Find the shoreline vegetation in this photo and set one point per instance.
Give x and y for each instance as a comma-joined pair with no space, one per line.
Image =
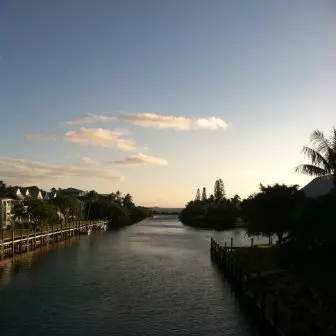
213,212
70,205
298,271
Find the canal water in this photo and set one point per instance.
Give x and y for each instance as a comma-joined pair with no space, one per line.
152,278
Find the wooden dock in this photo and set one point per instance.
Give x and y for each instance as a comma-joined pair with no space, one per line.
25,240
269,309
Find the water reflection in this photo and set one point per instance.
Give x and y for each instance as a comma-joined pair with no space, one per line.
11,266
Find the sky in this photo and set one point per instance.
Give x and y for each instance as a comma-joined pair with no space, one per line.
157,98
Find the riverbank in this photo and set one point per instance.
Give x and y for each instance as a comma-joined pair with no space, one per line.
18,241
291,302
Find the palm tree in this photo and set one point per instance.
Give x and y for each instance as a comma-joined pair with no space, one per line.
91,197
322,156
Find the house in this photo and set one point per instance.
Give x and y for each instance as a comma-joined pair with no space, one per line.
6,206
35,193
319,186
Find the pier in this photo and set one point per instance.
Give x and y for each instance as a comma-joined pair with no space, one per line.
23,240
256,288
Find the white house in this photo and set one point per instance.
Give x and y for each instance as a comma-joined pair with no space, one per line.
6,206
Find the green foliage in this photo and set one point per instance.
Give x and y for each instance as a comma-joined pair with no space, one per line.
67,205
4,190
119,210
40,212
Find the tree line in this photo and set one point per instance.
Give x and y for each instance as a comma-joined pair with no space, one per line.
116,208
305,227
213,212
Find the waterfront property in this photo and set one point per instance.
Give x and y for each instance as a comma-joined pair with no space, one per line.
281,298
19,241
6,206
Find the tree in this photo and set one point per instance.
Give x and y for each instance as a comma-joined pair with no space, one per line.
19,212
235,202
204,195
322,157
40,212
67,205
119,197
4,190
91,197
198,195
270,211
219,191
127,201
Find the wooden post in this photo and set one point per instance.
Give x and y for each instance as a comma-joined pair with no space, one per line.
251,241
13,247
2,244
263,306
27,249
275,315
231,243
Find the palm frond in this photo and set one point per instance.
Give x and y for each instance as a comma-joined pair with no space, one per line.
333,140
311,170
320,142
317,159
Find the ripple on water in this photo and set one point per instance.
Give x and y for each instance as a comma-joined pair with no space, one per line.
153,278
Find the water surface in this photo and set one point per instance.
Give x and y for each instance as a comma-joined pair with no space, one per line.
152,278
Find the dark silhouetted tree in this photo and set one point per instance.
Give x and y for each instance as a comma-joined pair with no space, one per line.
323,157
270,211
198,195
219,191
204,195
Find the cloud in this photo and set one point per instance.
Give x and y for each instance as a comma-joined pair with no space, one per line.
90,119
21,171
140,159
90,162
100,137
157,121
91,137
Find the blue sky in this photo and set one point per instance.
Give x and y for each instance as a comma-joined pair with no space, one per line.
157,98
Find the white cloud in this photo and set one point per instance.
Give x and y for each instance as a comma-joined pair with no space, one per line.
91,137
211,123
157,121
21,171
100,137
140,159
90,162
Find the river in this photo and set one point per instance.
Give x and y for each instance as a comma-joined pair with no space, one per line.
152,278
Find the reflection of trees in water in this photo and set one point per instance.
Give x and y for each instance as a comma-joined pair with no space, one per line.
11,266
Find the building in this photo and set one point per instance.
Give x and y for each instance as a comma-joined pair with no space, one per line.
319,186
6,206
